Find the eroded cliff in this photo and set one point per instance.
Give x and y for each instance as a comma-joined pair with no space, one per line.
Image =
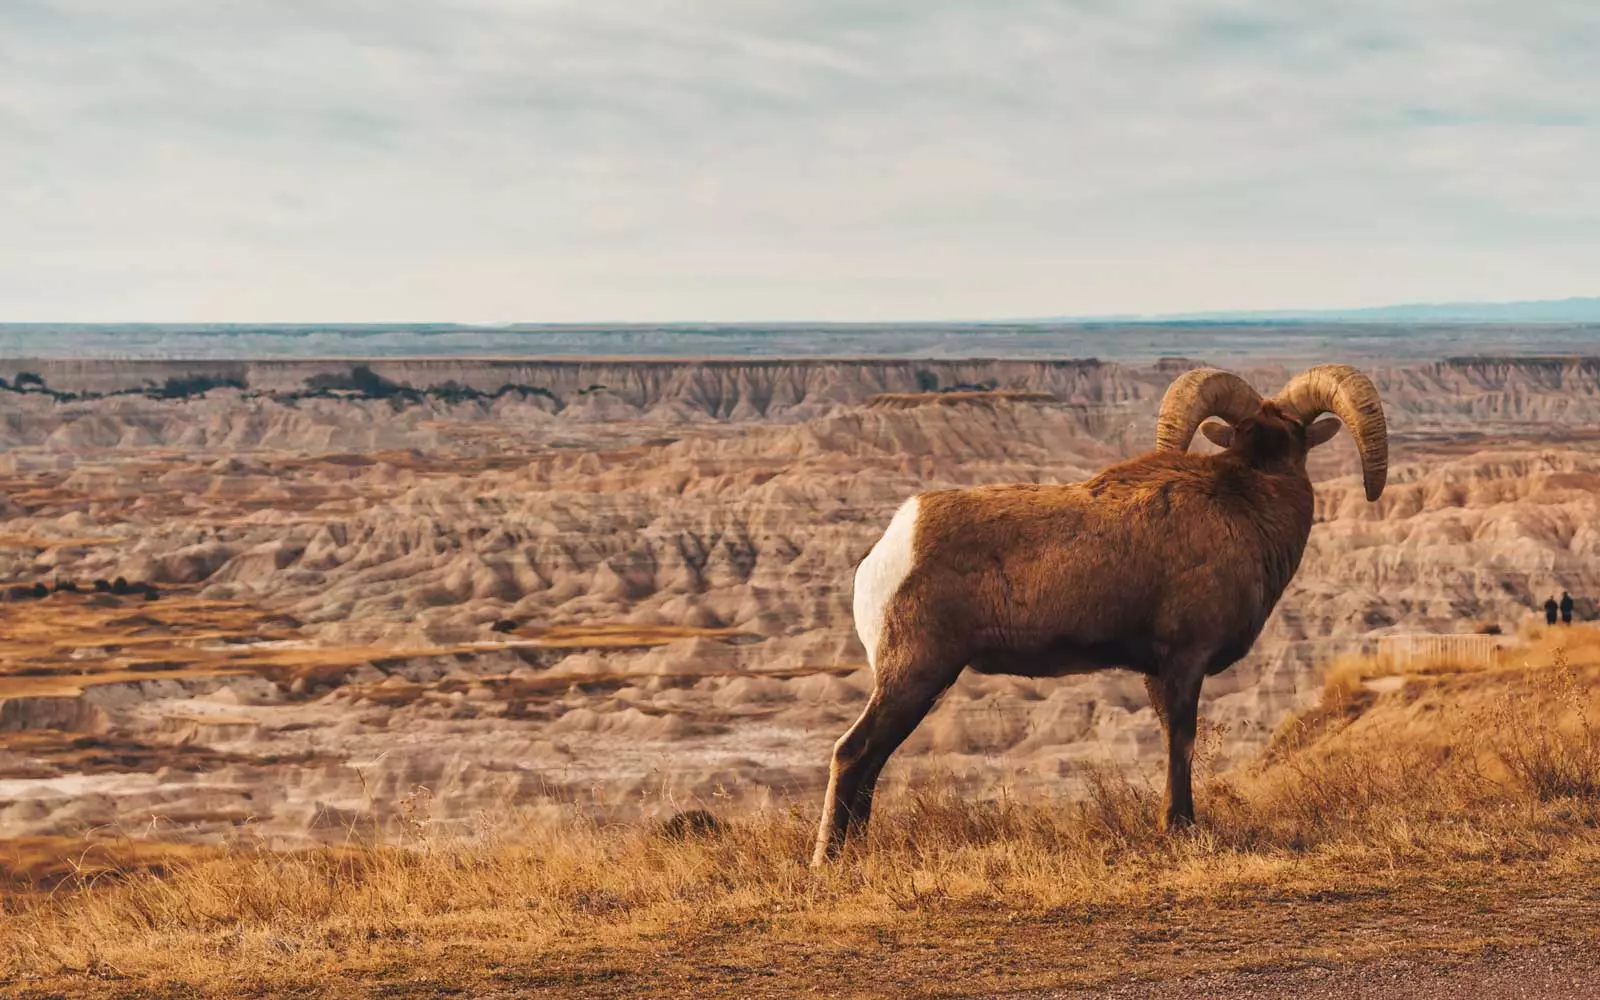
629,582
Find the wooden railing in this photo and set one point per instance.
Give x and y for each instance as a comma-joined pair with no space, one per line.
1419,652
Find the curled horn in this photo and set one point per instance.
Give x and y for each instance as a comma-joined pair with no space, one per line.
1196,395
1351,396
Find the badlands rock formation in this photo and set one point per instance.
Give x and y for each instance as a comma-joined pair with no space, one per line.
427,592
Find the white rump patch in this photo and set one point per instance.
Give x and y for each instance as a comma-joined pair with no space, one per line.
880,574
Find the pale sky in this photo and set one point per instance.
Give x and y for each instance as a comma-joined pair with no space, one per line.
546,160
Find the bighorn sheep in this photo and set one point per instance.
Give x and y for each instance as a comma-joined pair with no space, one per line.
1167,564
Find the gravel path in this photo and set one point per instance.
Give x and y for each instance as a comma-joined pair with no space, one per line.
1547,973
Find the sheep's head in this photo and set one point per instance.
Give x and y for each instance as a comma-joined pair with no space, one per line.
1283,428
1270,436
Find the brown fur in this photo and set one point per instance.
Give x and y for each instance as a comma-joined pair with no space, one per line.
1167,564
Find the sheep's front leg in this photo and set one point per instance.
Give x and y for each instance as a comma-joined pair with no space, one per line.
1176,698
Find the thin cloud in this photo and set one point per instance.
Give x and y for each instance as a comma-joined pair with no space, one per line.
178,159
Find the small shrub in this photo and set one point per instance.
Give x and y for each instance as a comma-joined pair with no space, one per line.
1118,809
1552,762
693,823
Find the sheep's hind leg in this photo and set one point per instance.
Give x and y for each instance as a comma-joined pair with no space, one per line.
897,705
1176,698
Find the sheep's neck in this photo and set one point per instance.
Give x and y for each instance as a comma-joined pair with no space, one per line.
1283,525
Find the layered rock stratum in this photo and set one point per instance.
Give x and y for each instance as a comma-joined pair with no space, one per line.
429,591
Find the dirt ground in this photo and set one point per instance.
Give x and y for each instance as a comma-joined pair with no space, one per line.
1538,973
1496,932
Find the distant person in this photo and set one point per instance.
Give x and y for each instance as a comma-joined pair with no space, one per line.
1550,609
1566,608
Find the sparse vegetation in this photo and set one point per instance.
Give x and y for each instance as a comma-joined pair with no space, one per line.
987,385
178,387
362,382
1401,799
32,382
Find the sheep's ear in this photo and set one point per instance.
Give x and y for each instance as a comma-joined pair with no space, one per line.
1322,431
1218,433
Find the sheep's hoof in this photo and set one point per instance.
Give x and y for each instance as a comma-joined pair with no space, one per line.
1178,825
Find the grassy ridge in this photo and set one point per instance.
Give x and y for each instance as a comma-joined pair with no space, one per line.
1441,811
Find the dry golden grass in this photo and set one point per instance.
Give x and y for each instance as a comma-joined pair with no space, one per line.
42,863
43,643
611,637
42,544
49,637
1447,811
